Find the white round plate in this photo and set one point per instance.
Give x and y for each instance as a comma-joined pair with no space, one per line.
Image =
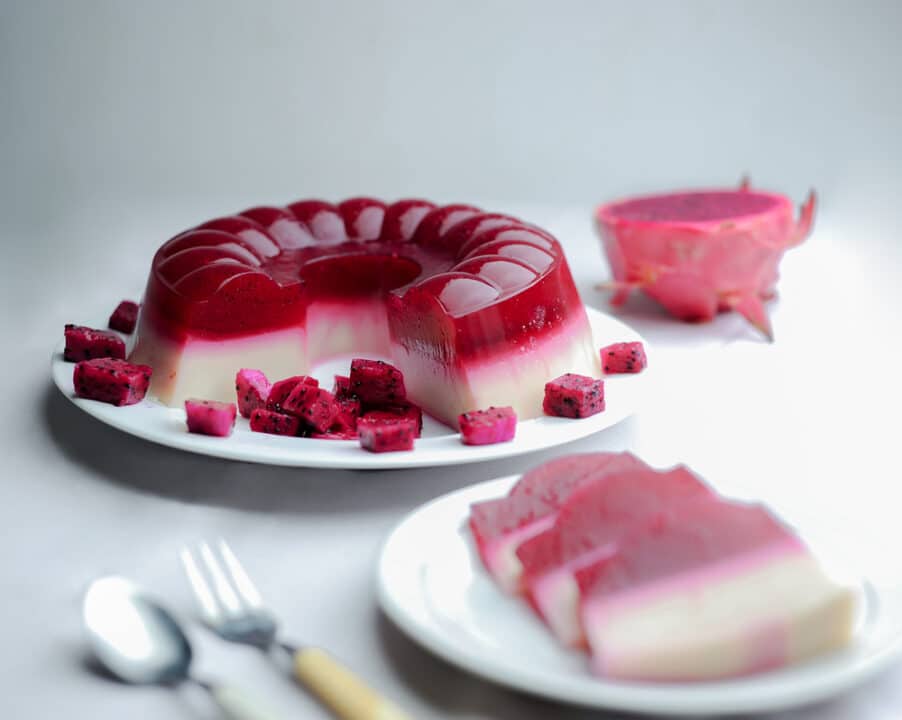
433,586
439,445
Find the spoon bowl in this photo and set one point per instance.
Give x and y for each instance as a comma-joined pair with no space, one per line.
132,636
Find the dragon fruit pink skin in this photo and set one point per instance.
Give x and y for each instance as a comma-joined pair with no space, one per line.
124,317
573,396
273,423
376,382
111,380
625,357
282,389
487,427
209,417
701,252
84,343
387,435
252,389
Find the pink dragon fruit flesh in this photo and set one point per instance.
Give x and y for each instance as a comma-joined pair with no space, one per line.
84,343
282,389
316,408
252,389
624,357
111,380
376,382
387,434
700,252
389,412
487,427
573,396
124,317
209,417
273,423
342,387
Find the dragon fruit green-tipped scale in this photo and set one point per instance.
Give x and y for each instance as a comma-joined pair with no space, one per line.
210,417
501,525
474,309
111,380
701,252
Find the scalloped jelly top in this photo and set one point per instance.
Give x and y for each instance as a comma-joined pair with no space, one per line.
260,269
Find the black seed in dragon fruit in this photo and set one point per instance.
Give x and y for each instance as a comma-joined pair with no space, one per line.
84,343
209,417
574,396
625,357
111,380
377,383
273,423
124,317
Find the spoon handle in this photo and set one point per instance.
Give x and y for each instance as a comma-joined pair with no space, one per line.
345,694
236,704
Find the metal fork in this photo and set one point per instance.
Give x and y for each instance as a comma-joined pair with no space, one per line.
231,606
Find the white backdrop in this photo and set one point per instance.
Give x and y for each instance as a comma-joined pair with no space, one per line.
122,123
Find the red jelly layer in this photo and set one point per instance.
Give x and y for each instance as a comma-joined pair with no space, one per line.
454,278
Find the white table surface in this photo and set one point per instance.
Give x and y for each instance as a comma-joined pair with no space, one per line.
812,418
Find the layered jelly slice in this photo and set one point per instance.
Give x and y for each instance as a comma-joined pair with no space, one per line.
713,589
500,526
587,529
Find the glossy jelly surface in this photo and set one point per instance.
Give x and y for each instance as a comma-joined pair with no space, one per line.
454,278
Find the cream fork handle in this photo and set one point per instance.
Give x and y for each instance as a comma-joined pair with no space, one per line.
346,695
236,704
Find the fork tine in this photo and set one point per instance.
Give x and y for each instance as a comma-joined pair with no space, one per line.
208,605
243,584
223,589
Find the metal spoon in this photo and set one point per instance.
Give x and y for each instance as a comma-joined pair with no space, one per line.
138,641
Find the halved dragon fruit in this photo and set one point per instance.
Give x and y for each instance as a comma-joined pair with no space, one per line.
573,396
84,343
501,525
487,427
387,434
252,388
209,417
267,421
703,251
124,317
315,407
625,357
111,380
376,382
282,389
